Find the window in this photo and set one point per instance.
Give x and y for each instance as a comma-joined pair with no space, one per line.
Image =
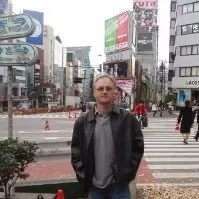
194,71
187,29
185,72
189,71
172,40
184,9
189,50
173,23
173,6
190,8
183,50
194,50
196,7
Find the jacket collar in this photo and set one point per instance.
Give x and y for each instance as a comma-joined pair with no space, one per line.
92,112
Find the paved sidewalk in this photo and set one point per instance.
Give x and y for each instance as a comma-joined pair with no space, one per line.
56,171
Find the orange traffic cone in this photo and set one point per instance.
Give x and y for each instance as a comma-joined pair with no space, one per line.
47,127
60,194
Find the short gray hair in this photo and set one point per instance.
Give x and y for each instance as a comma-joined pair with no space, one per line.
112,79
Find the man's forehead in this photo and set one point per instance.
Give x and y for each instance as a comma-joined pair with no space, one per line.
104,80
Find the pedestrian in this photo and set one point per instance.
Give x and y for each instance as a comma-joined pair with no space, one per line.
186,119
154,109
107,145
141,112
196,111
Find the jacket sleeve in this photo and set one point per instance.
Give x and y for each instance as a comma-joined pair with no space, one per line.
137,145
77,150
180,115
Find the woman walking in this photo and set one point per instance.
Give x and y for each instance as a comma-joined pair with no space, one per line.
186,119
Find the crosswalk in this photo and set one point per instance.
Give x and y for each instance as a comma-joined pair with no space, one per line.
171,161
40,116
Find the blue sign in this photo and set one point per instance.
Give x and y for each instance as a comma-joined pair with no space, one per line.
37,37
3,6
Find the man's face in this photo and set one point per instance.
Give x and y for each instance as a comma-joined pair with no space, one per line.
104,91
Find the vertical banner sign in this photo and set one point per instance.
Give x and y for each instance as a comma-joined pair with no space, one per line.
122,29
110,35
146,12
116,33
37,37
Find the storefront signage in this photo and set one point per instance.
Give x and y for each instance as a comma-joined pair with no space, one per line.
192,82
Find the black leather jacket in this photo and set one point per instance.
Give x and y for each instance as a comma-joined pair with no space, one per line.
128,144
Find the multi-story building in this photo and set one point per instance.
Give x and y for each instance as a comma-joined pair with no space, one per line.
48,89
78,59
147,42
184,51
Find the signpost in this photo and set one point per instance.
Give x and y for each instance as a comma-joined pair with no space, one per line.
17,54
15,26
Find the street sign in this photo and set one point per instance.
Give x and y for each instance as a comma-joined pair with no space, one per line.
16,26
17,54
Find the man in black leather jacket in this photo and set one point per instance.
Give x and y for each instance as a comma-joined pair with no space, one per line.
107,145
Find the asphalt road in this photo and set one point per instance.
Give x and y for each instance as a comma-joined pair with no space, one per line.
35,128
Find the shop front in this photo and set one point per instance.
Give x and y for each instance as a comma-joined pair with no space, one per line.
187,88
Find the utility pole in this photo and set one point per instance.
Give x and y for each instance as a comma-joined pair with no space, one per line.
9,91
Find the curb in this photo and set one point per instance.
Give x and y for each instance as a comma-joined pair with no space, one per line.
42,182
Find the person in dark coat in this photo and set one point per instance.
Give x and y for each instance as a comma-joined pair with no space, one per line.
196,112
186,120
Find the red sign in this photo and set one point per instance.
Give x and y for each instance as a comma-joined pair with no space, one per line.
146,4
122,29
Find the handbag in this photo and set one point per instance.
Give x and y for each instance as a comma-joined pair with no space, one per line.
177,128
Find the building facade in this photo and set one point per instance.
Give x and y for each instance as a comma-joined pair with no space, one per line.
147,31
120,55
185,55
78,62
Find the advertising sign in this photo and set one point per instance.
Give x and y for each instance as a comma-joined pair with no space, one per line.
146,13
110,35
146,4
17,54
16,26
116,33
144,42
183,95
118,70
125,85
122,29
37,37
3,6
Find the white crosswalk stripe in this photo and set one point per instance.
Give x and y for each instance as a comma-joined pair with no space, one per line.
40,116
171,161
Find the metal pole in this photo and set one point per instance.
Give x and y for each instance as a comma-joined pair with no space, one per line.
10,119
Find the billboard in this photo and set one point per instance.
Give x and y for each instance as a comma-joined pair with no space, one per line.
116,33
37,37
144,41
146,13
3,6
146,4
125,85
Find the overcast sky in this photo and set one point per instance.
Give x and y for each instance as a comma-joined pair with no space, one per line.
81,22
